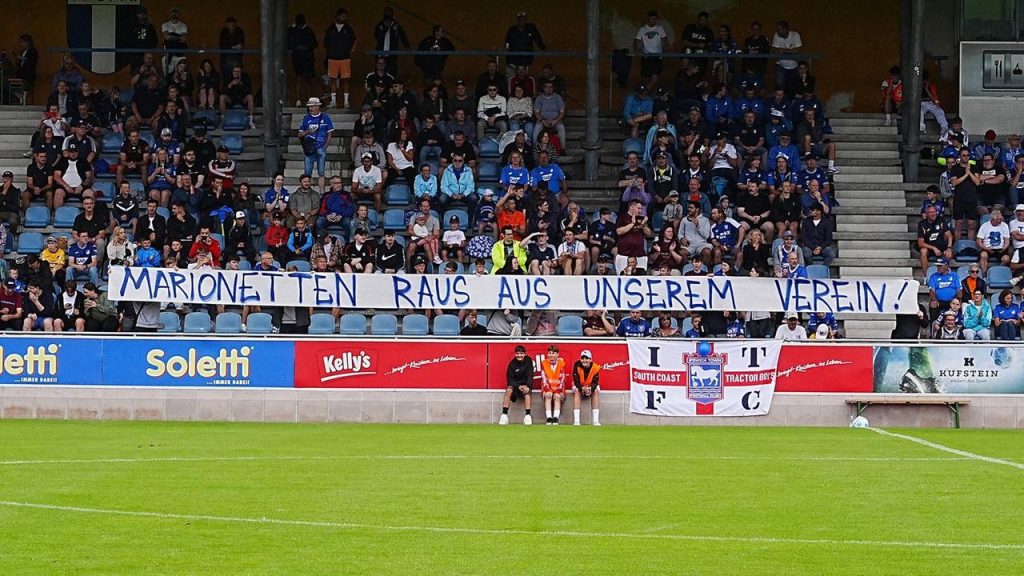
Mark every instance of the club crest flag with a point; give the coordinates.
(702, 378)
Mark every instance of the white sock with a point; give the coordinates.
(831, 163)
(548, 413)
(595, 415)
(346, 99)
(558, 414)
(334, 97)
(888, 117)
(576, 415)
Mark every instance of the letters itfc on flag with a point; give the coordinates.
(701, 378)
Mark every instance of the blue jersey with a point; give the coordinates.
(944, 285)
(630, 329)
(735, 329)
(725, 233)
(940, 206)
(755, 105)
(551, 174)
(791, 152)
(829, 319)
(515, 176)
(82, 254)
(1004, 312)
(750, 176)
(803, 177)
(319, 127)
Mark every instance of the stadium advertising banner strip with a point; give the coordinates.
(702, 378)
(829, 367)
(971, 369)
(147, 362)
(612, 357)
(449, 292)
(381, 364)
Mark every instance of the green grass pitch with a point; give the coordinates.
(124, 498)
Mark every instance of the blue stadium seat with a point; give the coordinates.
(300, 265)
(112, 142)
(984, 218)
(384, 325)
(138, 189)
(233, 142)
(235, 120)
(963, 272)
(657, 221)
(228, 323)
(36, 217)
(965, 251)
(259, 323)
(687, 325)
(321, 323)
(931, 270)
(244, 264)
(352, 324)
(126, 95)
(415, 325)
(373, 217)
(633, 145)
(570, 326)
(206, 118)
(489, 171)
(65, 217)
(446, 325)
(394, 219)
(463, 219)
(163, 212)
(170, 322)
(147, 137)
(30, 243)
(817, 271)
(104, 189)
(397, 195)
(489, 149)
(197, 323)
(220, 240)
(999, 277)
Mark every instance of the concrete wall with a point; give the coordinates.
(448, 407)
(860, 40)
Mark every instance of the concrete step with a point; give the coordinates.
(867, 145)
(875, 262)
(870, 329)
(871, 154)
(871, 178)
(848, 271)
(870, 227)
(894, 220)
(857, 115)
(866, 243)
(891, 235)
(870, 167)
(881, 194)
(873, 253)
(841, 123)
(875, 207)
(865, 138)
(867, 129)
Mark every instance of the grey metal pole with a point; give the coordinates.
(280, 42)
(591, 140)
(271, 120)
(906, 39)
(912, 105)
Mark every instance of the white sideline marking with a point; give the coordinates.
(471, 457)
(956, 451)
(514, 532)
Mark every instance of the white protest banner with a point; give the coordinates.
(702, 378)
(456, 291)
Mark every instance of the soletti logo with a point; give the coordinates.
(35, 361)
(347, 364)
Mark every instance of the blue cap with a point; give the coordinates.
(942, 262)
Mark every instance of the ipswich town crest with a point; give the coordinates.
(704, 374)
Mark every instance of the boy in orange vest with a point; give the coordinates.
(552, 371)
(586, 379)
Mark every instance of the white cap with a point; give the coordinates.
(822, 332)
(314, 101)
(240, 214)
(586, 354)
(1019, 208)
(792, 316)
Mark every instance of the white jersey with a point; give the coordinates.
(651, 38)
(993, 236)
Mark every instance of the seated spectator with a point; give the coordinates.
(631, 230)
(492, 112)
(208, 245)
(943, 286)
(697, 328)
(134, 157)
(125, 206)
(430, 140)
(632, 267)
(948, 329)
(523, 79)
(147, 105)
(633, 326)
(485, 214)
(520, 111)
(461, 122)
(83, 258)
(993, 184)
(542, 257)
(457, 185)
(695, 234)
(823, 326)
(816, 237)
(424, 232)
(472, 326)
(934, 238)
(121, 251)
(237, 92)
(974, 280)
(781, 255)
(549, 111)
(367, 181)
(892, 94)
(506, 250)
(55, 257)
(932, 198)
(811, 138)
(785, 149)
(39, 182)
(978, 317)
(359, 256)
(38, 304)
(504, 323)
(238, 238)
(224, 167)
(161, 177)
(510, 216)
(755, 212)
(725, 238)
(930, 104)
(596, 323)
(572, 255)
(786, 211)
(453, 241)
(791, 329)
(637, 111)
(336, 207)
(1006, 317)
(100, 314)
(601, 237)
(69, 309)
(300, 241)
(665, 329)
(73, 176)
(756, 255)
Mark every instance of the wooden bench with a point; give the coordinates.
(952, 402)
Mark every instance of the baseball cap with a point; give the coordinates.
(810, 156)
(166, 132)
(671, 193)
(1019, 208)
(460, 82)
(787, 234)
(72, 147)
(453, 219)
(8, 174)
(223, 148)
(777, 114)
(51, 239)
(361, 231)
(489, 192)
(822, 332)
(240, 214)
(200, 130)
(792, 316)
(366, 155)
(313, 101)
(942, 262)
(419, 259)
(586, 354)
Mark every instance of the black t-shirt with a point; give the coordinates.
(39, 176)
(966, 191)
(134, 152)
(93, 226)
(933, 233)
(697, 34)
(756, 204)
(147, 101)
(466, 149)
(990, 194)
(535, 252)
(749, 135)
(629, 174)
(756, 45)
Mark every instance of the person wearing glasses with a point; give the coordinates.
(491, 112)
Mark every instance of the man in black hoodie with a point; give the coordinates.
(519, 377)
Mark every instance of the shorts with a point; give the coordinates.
(650, 65)
(38, 323)
(696, 249)
(593, 388)
(964, 210)
(339, 69)
(555, 391)
(516, 393)
(820, 150)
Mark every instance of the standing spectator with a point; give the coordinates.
(339, 43)
(756, 43)
(631, 230)
(943, 287)
(141, 36)
(994, 241)
(67, 73)
(978, 317)
(316, 132)
(1006, 317)
(650, 41)
(432, 66)
(785, 41)
(965, 193)
(175, 38)
(390, 35)
(521, 38)
(232, 37)
(302, 44)
(26, 62)
(791, 329)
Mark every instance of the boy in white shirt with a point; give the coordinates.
(453, 241)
